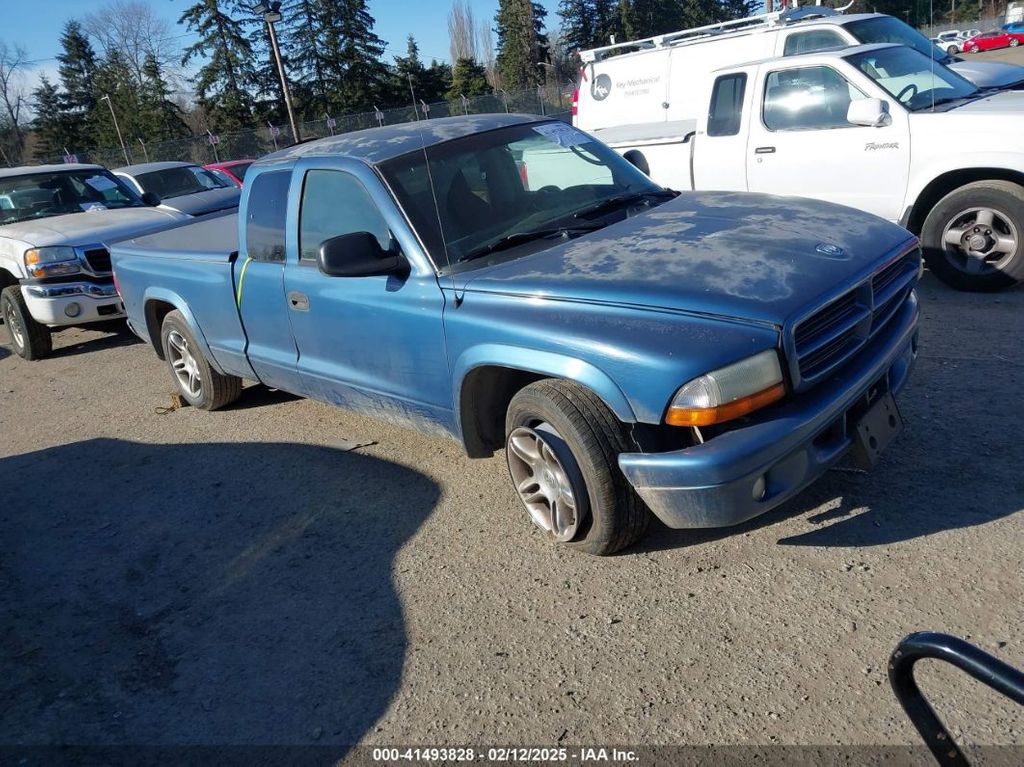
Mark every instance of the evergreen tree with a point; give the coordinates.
(518, 44)
(354, 53)
(300, 33)
(115, 80)
(578, 20)
(225, 82)
(469, 78)
(408, 72)
(50, 124)
(77, 70)
(160, 118)
(607, 23)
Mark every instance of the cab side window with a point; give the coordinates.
(813, 40)
(265, 216)
(727, 105)
(809, 98)
(336, 203)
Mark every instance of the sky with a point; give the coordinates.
(39, 32)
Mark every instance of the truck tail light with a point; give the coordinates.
(117, 285)
(524, 175)
(575, 101)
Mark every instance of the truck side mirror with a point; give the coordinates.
(151, 199)
(872, 113)
(357, 254)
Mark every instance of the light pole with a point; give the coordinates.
(117, 127)
(271, 12)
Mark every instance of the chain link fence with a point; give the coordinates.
(554, 100)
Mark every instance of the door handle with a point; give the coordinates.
(298, 301)
(765, 150)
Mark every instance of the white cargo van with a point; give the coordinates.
(665, 78)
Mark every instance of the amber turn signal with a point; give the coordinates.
(677, 416)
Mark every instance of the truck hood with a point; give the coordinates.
(90, 227)
(1002, 103)
(989, 74)
(741, 256)
(201, 203)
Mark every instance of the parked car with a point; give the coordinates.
(702, 356)
(182, 186)
(839, 126)
(666, 77)
(232, 170)
(56, 224)
(1015, 27)
(992, 40)
(949, 41)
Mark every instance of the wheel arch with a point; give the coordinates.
(950, 181)
(489, 376)
(157, 304)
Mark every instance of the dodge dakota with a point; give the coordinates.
(55, 224)
(699, 356)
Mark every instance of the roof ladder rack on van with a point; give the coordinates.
(787, 16)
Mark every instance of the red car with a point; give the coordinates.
(993, 39)
(231, 170)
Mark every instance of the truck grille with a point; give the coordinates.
(98, 260)
(831, 335)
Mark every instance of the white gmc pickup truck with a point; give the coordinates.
(56, 223)
(880, 127)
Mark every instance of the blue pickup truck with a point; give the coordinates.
(701, 356)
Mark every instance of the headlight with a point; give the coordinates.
(51, 262)
(728, 392)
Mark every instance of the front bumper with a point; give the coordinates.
(715, 484)
(54, 304)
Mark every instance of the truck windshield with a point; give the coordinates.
(914, 80)
(492, 193)
(176, 182)
(886, 29)
(42, 195)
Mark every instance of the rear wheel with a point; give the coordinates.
(30, 339)
(1014, 42)
(973, 238)
(199, 384)
(562, 449)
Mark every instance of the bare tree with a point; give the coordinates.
(462, 31)
(12, 96)
(485, 47)
(131, 27)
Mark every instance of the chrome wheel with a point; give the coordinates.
(184, 364)
(17, 332)
(979, 240)
(547, 479)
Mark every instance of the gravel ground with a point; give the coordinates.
(285, 572)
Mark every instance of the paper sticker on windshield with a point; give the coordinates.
(562, 134)
(92, 206)
(101, 183)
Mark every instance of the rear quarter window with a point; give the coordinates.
(265, 215)
(726, 109)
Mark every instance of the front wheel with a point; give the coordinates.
(952, 50)
(30, 339)
(200, 385)
(1014, 42)
(973, 239)
(562, 449)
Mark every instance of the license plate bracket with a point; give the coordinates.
(875, 431)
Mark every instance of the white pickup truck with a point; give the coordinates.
(882, 128)
(56, 223)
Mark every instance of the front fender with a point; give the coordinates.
(542, 363)
(166, 296)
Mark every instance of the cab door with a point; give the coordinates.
(259, 286)
(801, 143)
(719, 151)
(372, 343)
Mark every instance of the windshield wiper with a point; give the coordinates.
(623, 200)
(518, 238)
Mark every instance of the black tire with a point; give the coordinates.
(214, 390)
(1003, 197)
(29, 339)
(617, 517)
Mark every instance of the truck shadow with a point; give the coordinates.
(202, 594)
(116, 334)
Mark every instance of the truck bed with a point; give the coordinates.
(190, 268)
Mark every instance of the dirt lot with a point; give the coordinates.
(284, 572)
